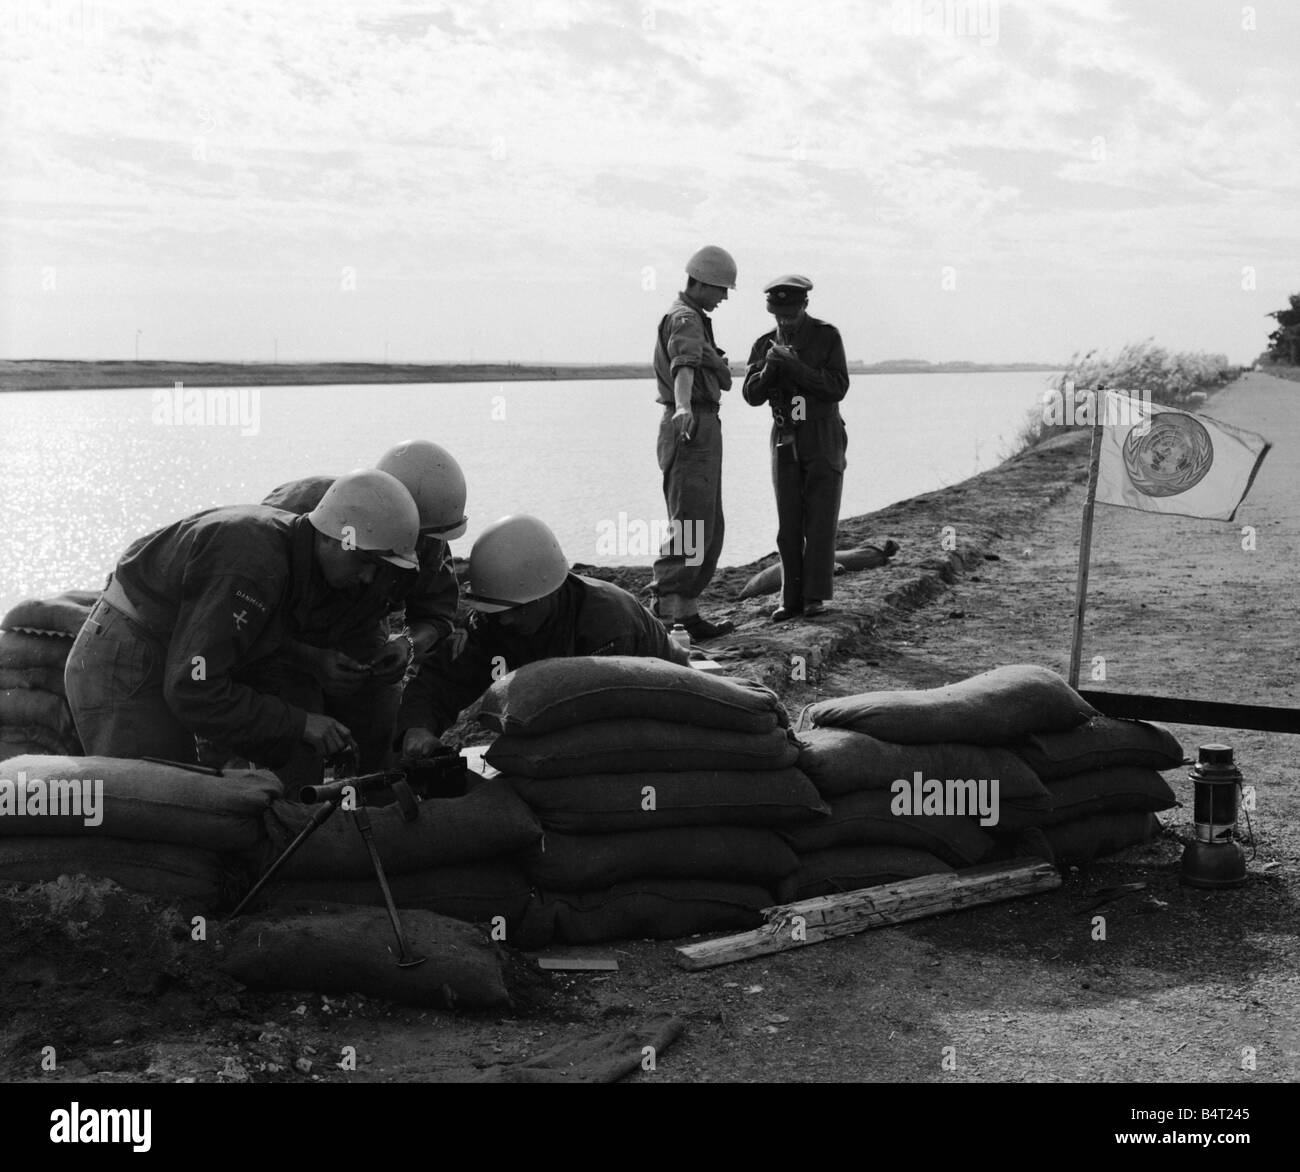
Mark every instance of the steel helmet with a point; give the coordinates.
(713, 266)
(514, 560)
(434, 479)
(370, 510)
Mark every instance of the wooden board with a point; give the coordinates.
(1207, 713)
(578, 964)
(809, 921)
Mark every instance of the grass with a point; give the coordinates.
(1142, 369)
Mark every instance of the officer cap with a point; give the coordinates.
(788, 290)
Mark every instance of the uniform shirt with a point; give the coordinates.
(686, 339)
(429, 595)
(592, 618)
(821, 375)
(221, 590)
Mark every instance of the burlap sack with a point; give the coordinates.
(992, 708)
(560, 693)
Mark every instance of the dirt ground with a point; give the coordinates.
(1187, 986)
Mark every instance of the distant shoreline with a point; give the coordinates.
(55, 375)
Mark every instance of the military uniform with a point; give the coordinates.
(808, 442)
(191, 609)
(356, 622)
(591, 618)
(692, 472)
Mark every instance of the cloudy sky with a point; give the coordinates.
(506, 179)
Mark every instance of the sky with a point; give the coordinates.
(514, 180)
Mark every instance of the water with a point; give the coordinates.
(86, 472)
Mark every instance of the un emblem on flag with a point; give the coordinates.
(1170, 456)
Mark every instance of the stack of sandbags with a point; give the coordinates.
(35, 638)
(660, 790)
(153, 828)
(1001, 725)
(1104, 780)
(455, 858)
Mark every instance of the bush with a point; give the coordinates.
(1141, 368)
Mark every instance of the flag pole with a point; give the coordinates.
(1085, 536)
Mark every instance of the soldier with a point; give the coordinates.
(692, 374)
(528, 606)
(349, 656)
(192, 609)
(799, 369)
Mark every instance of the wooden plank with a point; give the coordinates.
(1209, 713)
(578, 964)
(809, 921)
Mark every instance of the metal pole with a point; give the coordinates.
(1085, 537)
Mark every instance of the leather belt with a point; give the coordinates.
(115, 597)
(708, 406)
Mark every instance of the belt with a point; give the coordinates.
(707, 406)
(115, 597)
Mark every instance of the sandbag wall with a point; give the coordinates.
(1088, 782)
(660, 791)
(35, 638)
(458, 857)
(150, 828)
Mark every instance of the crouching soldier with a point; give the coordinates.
(350, 654)
(527, 606)
(168, 653)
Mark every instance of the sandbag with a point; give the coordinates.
(63, 614)
(36, 738)
(1100, 743)
(657, 909)
(553, 694)
(152, 868)
(597, 803)
(1097, 791)
(478, 892)
(849, 868)
(21, 650)
(839, 761)
(32, 708)
(1081, 840)
(639, 746)
(864, 557)
(488, 821)
(992, 708)
(866, 818)
(590, 862)
(143, 801)
(47, 679)
(350, 950)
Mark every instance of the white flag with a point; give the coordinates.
(1165, 461)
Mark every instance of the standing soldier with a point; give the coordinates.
(692, 374)
(799, 369)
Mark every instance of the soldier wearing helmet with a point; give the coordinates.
(799, 370)
(350, 654)
(165, 656)
(692, 373)
(528, 605)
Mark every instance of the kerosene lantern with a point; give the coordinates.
(1214, 858)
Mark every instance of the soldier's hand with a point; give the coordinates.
(390, 664)
(340, 674)
(326, 735)
(684, 421)
(419, 743)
